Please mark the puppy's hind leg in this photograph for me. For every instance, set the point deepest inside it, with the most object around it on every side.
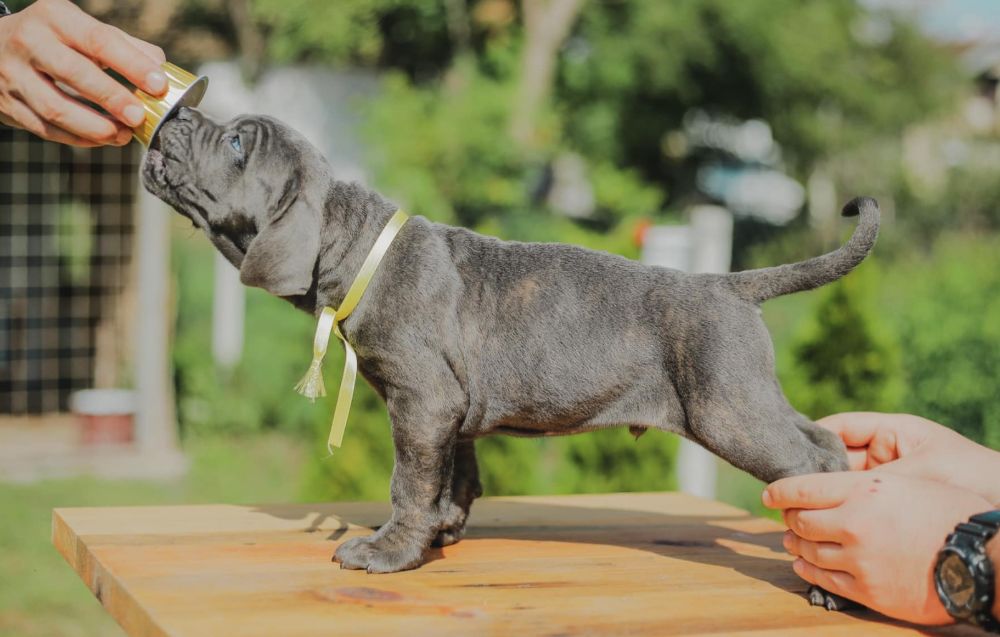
(773, 443)
(757, 431)
(741, 414)
(736, 409)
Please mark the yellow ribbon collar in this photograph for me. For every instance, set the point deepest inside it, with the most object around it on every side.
(311, 386)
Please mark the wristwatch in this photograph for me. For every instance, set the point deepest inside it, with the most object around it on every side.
(4, 10)
(964, 574)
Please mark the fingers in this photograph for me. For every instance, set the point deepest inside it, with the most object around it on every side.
(23, 117)
(811, 491)
(836, 582)
(826, 555)
(823, 525)
(857, 458)
(855, 428)
(56, 108)
(110, 47)
(82, 75)
(883, 437)
(152, 51)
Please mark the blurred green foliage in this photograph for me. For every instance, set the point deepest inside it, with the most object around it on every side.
(396, 33)
(826, 76)
(967, 198)
(945, 307)
(925, 339)
(443, 150)
(254, 396)
(845, 356)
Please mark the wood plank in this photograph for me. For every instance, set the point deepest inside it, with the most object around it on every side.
(637, 564)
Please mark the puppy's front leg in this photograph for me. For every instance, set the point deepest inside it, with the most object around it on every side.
(465, 487)
(424, 434)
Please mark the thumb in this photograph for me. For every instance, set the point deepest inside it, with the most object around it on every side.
(812, 491)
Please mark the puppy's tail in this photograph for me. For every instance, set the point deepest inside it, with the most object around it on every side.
(758, 286)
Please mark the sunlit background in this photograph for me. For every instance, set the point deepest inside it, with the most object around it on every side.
(702, 135)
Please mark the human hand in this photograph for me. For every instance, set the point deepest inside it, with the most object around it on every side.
(914, 446)
(54, 41)
(872, 537)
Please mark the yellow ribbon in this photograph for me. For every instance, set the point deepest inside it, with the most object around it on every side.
(311, 386)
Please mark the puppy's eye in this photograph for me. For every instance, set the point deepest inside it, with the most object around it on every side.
(236, 144)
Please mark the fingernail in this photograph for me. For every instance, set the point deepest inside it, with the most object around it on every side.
(156, 81)
(134, 115)
(786, 539)
(766, 498)
(797, 564)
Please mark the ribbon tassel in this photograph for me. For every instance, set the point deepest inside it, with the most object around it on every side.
(311, 385)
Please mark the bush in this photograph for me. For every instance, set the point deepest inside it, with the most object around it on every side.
(923, 337)
(845, 359)
(257, 394)
(945, 306)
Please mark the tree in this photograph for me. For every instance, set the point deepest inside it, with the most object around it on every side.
(945, 306)
(546, 25)
(827, 76)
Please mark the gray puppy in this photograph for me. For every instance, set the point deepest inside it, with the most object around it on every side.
(465, 335)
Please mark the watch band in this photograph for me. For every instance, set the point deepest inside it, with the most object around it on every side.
(973, 536)
(4, 11)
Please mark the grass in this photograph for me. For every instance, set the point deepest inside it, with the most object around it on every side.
(40, 596)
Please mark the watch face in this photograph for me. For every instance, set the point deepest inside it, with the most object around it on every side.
(956, 581)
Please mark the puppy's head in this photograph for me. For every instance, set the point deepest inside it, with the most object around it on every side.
(247, 185)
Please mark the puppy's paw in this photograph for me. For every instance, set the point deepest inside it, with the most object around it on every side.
(821, 597)
(452, 527)
(380, 554)
(355, 553)
(392, 559)
(449, 536)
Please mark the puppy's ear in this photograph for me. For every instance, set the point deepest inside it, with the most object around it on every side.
(282, 256)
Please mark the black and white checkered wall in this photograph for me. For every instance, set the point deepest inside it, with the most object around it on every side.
(66, 223)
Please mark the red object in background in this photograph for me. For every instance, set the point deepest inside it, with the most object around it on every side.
(640, 230)
(105, 416)
(109, 429)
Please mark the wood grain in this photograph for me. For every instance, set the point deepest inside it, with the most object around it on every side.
(635, 564)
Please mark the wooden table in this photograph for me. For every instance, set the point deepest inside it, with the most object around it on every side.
(637, 564)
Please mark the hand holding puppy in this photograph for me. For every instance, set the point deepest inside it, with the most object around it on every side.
(872, 537)
(872, 534)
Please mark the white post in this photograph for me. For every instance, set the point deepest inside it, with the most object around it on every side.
(703, 246)
(227, 314)
(712, 235)
(155, 421)
(668, 247)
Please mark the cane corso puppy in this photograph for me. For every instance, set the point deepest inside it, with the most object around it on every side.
(464, 335)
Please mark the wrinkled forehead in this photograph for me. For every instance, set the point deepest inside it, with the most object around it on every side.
(274, 138)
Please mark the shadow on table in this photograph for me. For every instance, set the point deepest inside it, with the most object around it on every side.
(738, 541)
(695, 538)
